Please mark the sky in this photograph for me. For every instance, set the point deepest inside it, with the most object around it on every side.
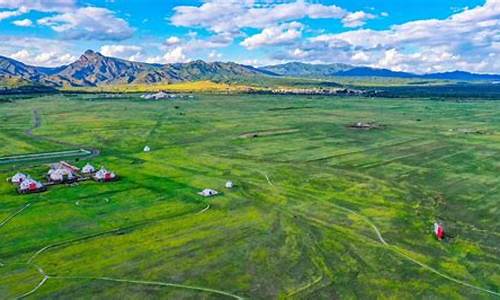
(420, 36)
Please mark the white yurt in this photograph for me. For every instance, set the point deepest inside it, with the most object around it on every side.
(30, 185)
(104, 175)
(56, 175)
(88, 169)
(18, 178)
(229, 184)
(147, 149)
(61, 174)
(208, 193)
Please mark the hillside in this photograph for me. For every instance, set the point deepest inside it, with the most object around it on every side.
(10, 68)
(93, 69)
(296, 69)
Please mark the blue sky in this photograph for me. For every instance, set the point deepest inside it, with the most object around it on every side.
(412, 35)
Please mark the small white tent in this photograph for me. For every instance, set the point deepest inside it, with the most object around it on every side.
(104, 175)
(208, 193)
(88, 169)
(18, 178)
(229, 184)
(147, 149)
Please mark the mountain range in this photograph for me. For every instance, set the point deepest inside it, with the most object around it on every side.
(94, 69)
(297, 69)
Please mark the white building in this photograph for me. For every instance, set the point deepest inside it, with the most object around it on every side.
(229, 184)
(147, 149)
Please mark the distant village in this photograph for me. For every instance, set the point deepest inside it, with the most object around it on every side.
(279, 91)
(164, 95)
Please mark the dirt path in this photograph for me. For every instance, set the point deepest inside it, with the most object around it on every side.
(401, 253)
(267, 178)
(13, 215)
(157, 283)
(39, 285)
(37, 122)
(91, 236)
(306, 287)
(142, 282)
(203, 210)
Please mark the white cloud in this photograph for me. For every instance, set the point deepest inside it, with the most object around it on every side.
(40, 5)
(54, 58)
(90, 23)
(173, 40)
(230, 16)
(464, 40)
(357, 19)
(37, 51)
(128, 52)
(360, 57)
(214, 56)
(275, 35)
(12, 13)
(175, 55)
(23, 23)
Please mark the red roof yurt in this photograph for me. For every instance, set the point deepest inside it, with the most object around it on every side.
(439, 231)
(31, 186)
(104, 175)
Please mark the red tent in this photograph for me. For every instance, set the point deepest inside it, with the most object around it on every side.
(439, 231)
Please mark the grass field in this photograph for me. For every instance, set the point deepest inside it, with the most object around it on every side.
(195, 86)
(319, 211)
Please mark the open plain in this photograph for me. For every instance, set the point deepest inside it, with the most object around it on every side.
(319, 209)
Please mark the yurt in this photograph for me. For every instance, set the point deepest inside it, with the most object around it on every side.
(88, 169)
(104, 175)
(62, 175)
(208, 193)
(31, 186)
(229, 184)
(147, 149)
(18, 178)
(439, 231)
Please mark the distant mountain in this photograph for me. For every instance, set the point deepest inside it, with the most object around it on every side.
(296, 69)
(460, 75)
(94, 69)
(10, 68)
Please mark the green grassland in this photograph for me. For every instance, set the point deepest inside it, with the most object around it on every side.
(319, 211)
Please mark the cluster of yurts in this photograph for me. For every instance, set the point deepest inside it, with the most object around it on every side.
(60, 173)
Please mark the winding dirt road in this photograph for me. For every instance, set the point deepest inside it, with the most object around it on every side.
(400, 252)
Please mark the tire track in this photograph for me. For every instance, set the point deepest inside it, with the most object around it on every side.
(155, 283)
(398, 251)
(267, 178)
(203, 210)
(12, 216)
(39, 285)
